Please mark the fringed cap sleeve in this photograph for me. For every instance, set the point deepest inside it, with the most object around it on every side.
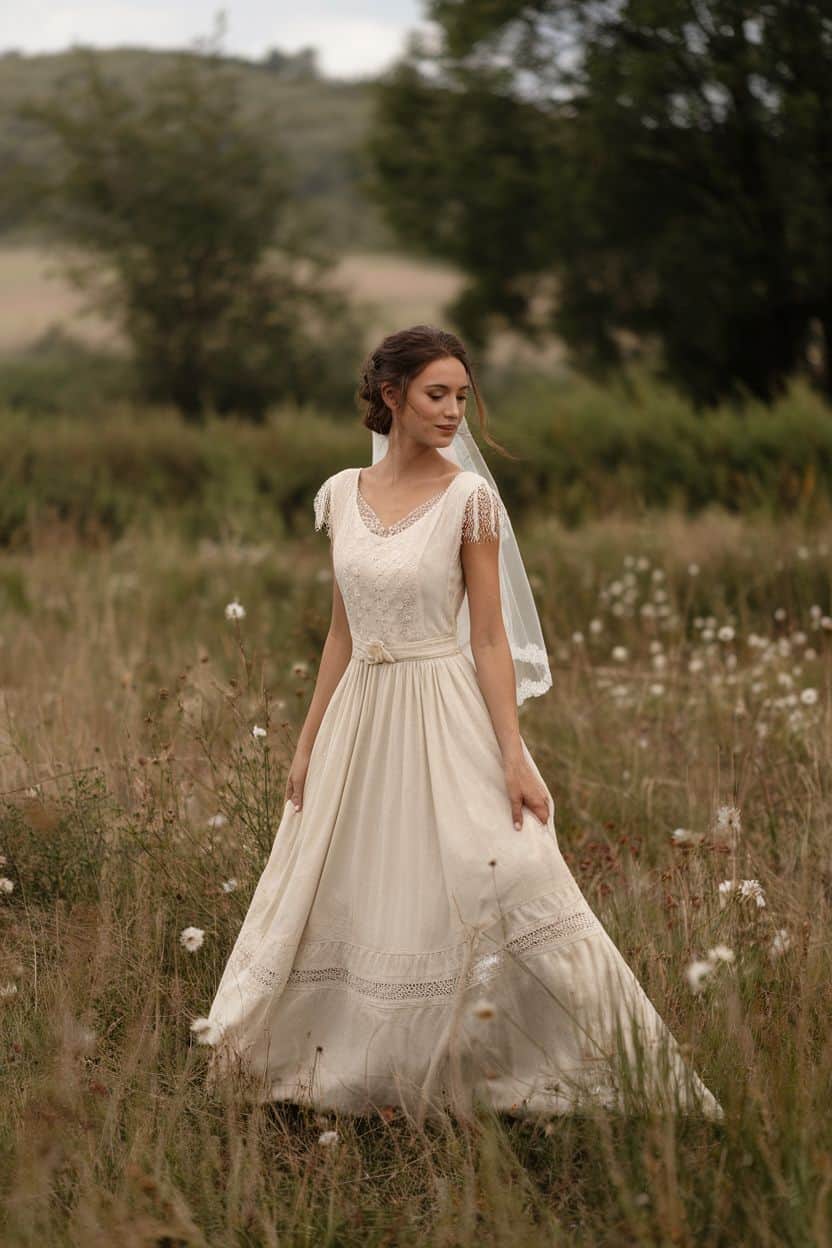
(323, 507)
(483, 516)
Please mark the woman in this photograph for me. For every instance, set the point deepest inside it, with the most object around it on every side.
(416, 938)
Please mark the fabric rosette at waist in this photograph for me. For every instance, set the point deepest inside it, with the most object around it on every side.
(374, 650)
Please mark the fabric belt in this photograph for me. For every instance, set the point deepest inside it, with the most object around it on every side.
(374, 650)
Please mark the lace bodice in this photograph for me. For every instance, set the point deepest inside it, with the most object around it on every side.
(404, 582)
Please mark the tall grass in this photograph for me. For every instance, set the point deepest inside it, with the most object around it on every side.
(132, 790)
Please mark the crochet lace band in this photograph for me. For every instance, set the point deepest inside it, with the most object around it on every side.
(251, 961)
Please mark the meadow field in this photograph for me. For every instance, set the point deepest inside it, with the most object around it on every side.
(681, 564)
(686, 740)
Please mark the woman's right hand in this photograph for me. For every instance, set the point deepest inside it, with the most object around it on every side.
(296, 779)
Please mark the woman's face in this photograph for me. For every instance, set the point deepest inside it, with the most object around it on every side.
(435, 402)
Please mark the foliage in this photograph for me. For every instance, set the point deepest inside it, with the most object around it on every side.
(181, 202)
(584, 452)
(320, 123)
(58, 374)
(657, 170)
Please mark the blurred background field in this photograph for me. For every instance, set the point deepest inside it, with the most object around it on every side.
(195, 254)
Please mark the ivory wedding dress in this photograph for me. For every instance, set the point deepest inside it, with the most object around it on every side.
(406, 945)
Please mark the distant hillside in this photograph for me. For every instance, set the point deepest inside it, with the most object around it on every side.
(321, 122)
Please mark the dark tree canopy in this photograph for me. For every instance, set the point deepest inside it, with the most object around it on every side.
(662, 167)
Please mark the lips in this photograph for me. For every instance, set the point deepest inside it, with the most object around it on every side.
(448, 428)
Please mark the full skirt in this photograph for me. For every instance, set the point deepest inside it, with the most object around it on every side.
(406, 945)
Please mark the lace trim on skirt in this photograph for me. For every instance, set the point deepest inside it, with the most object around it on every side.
(543, 936)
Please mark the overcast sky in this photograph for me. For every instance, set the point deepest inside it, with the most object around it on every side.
(353, 37)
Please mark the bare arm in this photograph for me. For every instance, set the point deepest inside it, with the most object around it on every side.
(335, 655)
(495, 673)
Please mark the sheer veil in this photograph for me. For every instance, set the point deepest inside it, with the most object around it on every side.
(522, 624)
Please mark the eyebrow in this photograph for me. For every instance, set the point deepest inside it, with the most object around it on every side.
(441, 385)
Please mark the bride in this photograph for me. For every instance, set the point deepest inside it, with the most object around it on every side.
(416, 938)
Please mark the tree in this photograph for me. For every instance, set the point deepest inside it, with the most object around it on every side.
(182, 205)
(655, 166)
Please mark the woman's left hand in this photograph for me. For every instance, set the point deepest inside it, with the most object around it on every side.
(522, 786)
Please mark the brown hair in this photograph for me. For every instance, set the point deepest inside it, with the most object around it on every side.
(399, 358)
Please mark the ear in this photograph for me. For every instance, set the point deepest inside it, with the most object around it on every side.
(389, 394)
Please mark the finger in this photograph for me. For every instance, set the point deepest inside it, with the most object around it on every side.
(517, 811)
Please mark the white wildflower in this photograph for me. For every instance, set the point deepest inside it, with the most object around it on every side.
(191, 938)
(693, 569)
(6, 885)
(228, 886)
(726, 633)
(684, 836)
(235, 611)
(727, 821)
(257, 731)
(619, 653)
(697, 972)
(751, 888)
(725, 888)
(595, 626)
(809, 697)
(781, 941)
(218, 820)
(720, 953)
(578, 638)
(204, 1030)
(8, 990)
(328, 1137)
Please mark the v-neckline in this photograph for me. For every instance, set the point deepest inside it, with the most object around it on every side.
(390, 530)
